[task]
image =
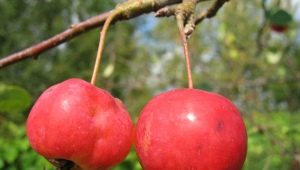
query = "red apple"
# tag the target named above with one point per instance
(279, 28)
(76, 121)
(190, 129)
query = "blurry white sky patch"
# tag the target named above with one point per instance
(296, 3)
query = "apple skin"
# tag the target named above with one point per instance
(79, 122)
(190, 129)
(279, 28)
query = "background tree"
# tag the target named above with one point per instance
(235, 54)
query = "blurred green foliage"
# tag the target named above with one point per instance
(234, 54)
(272, 140)
(15, 149)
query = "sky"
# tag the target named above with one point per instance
(296, 3)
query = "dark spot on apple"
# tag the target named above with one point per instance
(220, 126)
(62, 164)
(199, 148)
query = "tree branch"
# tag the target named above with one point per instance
(259, 41)
(188, 11)
(129, 9)
(211, 12)
(71, 32)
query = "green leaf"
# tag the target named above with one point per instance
(13, 99)
(279, 17)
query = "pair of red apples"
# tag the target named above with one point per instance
(75, 124)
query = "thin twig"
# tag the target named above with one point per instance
(71, 32)
(190, 25)
(259, 41)
(211, 11)
(133, 9)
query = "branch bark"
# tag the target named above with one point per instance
(130, 9)
(211, 12)
(71, 32)
(260, 42)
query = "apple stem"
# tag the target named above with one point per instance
(186, 50)
(101, 45)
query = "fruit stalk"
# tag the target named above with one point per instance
(185, 48)
(103, 32)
